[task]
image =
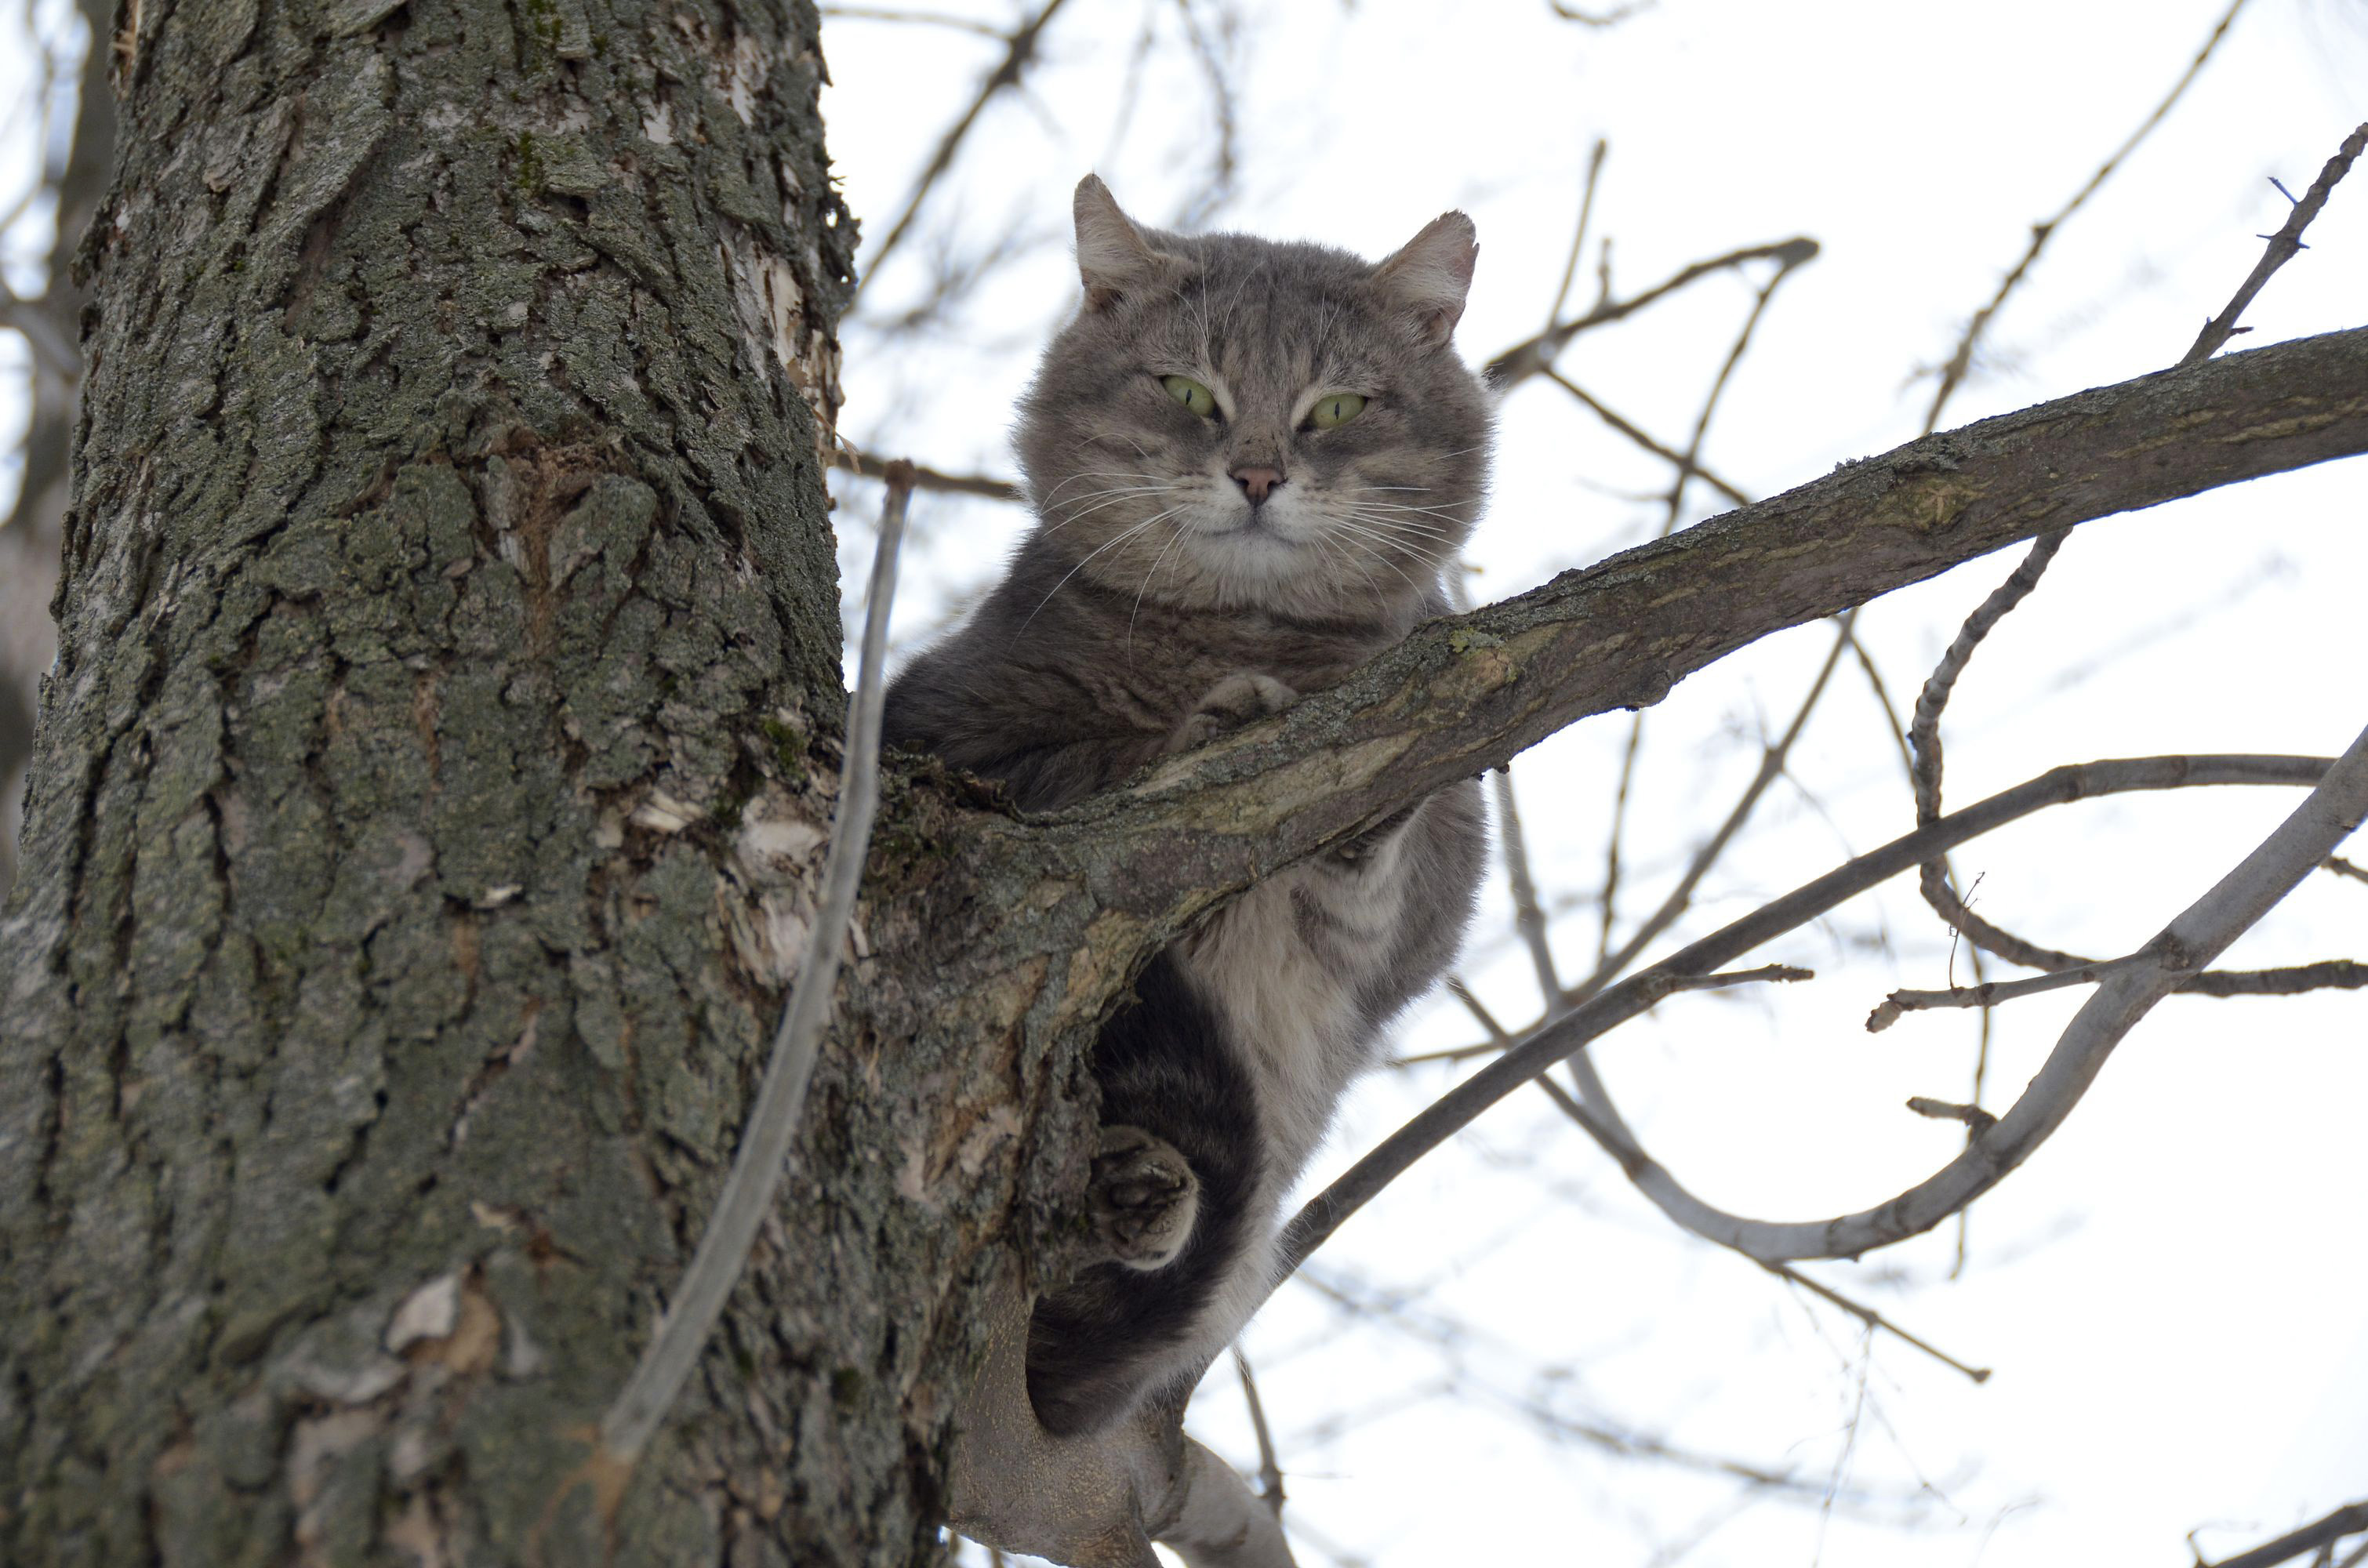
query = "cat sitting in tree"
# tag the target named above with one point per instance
(1250, 460)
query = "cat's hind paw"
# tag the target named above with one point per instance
(1145, 1197)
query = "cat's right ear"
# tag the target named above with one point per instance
(1114, 258)
(1430, 276)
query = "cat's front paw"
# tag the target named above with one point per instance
(1145, 1197)
(1228, 704)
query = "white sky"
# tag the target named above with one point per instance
(2171, 1292)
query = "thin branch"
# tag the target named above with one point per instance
(928, 18)
(1531, 356)
(1270, 1472)
(2333, 809)
(2285, 245)
(1529, 919)
(757, 1170)
(1995, 991)
(1619, 1002)
(1018, 53)
(1688, 466)
(1221, 166)
(1601, 1431)
(1665, 453)
(926, 478)
(1924, 733)
(1973, 1116)
(1680, 898)
(2343, 867)
(2344, 1521)
(1933, 878)
(1608, 901)
(1478, 1009)
(1578, 236)
(1865, 1314)
(1954, 373)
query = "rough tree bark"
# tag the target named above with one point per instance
(422, 805)
(426, 800)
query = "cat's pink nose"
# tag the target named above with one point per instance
(1258, 482)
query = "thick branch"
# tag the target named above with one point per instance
(1468, 692)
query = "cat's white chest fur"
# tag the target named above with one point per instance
(1287, 964)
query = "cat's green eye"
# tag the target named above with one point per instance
(1192, 394)
(1333, 409)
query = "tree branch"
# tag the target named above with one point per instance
(2285, 245)
(927, 478)
(2344, 1521)
(1531, 356)
(1019, 50)
(1855, 1234)
(1953, 375)
(1466, 693)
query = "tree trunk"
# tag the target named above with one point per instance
(422, 818)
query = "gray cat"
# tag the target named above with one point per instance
(1249, 461)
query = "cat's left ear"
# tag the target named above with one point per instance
(1430, 275)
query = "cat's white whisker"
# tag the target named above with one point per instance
(1105, 545)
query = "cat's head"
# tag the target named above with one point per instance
(1236, 423)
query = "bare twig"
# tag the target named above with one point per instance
(1222, 159)
(1973, 1116)
(1532, 356)
(1680, 898)
(1688, 466)
(2344, 1521)
(1924, 734)
(2285, 245)
(1995, 991)
(1578, 236)
(1270, 1472)
(1954, 373)
(1619, 1002)
(757, 1170)
(2332, 810)
(1686, 469)
(927, 478)
(1933, 878)
(2343, 867)
(1600, 1430)
(928, 18)
(1865, 1314)
(1665, 453)
(1019, 52)
(1529, 919)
